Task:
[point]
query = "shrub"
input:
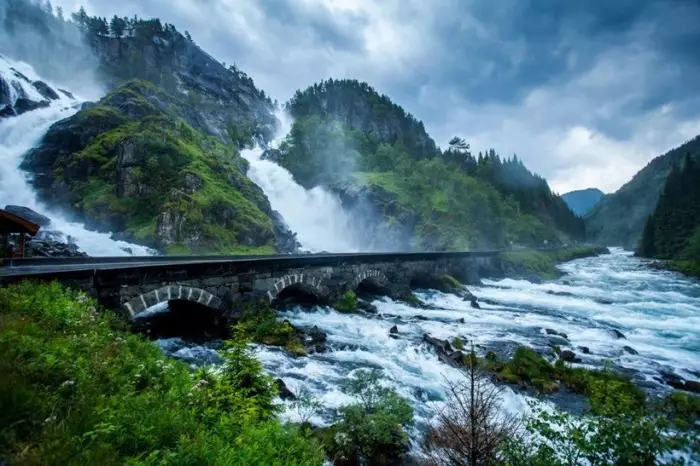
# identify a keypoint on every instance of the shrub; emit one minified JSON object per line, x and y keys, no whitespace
{"x":78,"y":389}
{"x":372,"y":429}
{"x":260,"y":324}
{"x":347,"y":303}
{"x":458,"y":343}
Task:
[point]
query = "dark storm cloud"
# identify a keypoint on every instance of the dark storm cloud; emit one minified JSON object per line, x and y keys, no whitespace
{"x":586,"y":92}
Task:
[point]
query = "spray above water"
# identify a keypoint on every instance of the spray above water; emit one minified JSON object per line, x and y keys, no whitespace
{"x":315,"y":215}
{"x":17,"y":136}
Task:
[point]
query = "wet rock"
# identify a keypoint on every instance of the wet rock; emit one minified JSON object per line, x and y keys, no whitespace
{"x":48,"y":248}
{"x":24,"y":105}
{"x":673,"y":380}
{"x":285,"y":239}
{"x":66,"y":93}
{"x":367,"y":306}
{"x":584,"y":349}
{"x":420,"y":317}
{"x":45,"y":91}
{"x":603,"y":301}
{"x":559,"y":293}
{"x":394,"y":330}
{"x":314,"y":339}
{"x":617,"y":334}
{"x":568,"y":356}
{"x":444,"y":351}
{"x":461,"y":321}
{"x":630,"y":350}
{"x":284,"y":392}
{"x":475,"y":304}
{"x":557,"y":341}
{"x":550,"y":331}
{"x":566,"y":282}
{"x":692,"y":386}
{"x":28,"y":214}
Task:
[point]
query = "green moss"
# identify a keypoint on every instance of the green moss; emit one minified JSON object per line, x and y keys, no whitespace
{"x":260,"y":324}
{"x":78,"y":388}
{"x":347,"y":302}
{"x":411,"y":299}
{"x":450,"y":283}
{"x":167,"y":167}
{"x":688,"y":267}
{"x":527,"y":368}
{"x":458,"y":343}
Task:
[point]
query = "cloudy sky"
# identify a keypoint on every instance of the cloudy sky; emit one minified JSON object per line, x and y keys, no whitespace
{"x":585,"y":92}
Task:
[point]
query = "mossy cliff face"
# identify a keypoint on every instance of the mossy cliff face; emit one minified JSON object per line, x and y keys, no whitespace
{"x":133,"y":164}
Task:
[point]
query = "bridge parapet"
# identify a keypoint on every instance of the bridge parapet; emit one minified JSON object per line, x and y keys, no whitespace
{"x":221,"y":283}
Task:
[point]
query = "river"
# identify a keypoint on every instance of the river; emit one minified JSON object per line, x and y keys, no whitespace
{"x":658,"y":312}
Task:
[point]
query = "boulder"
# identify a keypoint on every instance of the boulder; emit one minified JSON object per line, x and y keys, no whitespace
{"x":630,"y":350}
{"x":584,"y":349}
{"x":45,"y":91}
{"x":366,"y":306}
{"x":284,"y":392}
{"x":475,"y":304}
{"x":28,"y":214}
{"x":557,"y":341}
{"x":617,"y":334}
{"x":549,"y":331}
{"x":692,"y":386}
{"x":66,"y":93}
{"x":49,"y":248}
{"x":568,"y":356}
{"x":394,"y":330}
{"x":313,"y":339}
{"x":24,"y":105}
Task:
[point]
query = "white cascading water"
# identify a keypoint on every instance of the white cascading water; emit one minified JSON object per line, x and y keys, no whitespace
{"x":315,"y":215}
{"x":17,"y":136}
{"x":657,"y":312}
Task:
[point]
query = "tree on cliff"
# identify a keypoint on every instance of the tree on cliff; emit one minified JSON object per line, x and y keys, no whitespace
{"x":117,"y":26}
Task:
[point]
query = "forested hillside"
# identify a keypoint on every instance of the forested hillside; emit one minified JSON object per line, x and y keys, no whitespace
{"x":384,"y":165}
{"x":582,"y":201}
{"x":672,"y":232}
{"x":619,"y":219}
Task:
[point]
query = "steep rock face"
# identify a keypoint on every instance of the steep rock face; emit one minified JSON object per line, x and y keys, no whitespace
{"x":619,"y":219}
{"x":133,"y":164}
{"x":18,"y":94}
{"x":221,"y":101}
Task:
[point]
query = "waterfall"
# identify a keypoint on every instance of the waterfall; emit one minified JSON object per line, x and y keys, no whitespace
{"x":315,"y":215}
{"x":18,"y":135}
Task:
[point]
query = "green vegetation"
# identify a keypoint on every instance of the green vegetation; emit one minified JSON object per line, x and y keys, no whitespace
{"x":672,"y":232}
{"x":79,"y":389}
{"x":457,"y":343}
{"x":529,"y":369}
{"x":260,"y":324}
{"x":372,"y":429}
{"x":449,"y":282}
{"x":356,"y":141}
{"x":619,"y":219}
{"x":347,"y":302}
{"x":149,"y":174}
{"x":542,"y":264}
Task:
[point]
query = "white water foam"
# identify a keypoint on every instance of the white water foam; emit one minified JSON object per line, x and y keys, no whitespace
{"x":315,"y":215}
{"x":17,"y":136}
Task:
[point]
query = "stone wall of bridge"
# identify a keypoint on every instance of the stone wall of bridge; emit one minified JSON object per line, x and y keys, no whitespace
{"x":225,"y":285}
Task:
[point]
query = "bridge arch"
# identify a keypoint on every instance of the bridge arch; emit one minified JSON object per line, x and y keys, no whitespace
{"x":139,"y":304}
{"x":375,"y":279}
{"x":308,"y":284}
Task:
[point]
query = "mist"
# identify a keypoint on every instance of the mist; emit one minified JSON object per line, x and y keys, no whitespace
{"x":54,"y":46}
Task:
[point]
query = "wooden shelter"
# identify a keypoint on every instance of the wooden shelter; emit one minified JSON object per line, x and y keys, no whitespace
{"x":12,"y":224}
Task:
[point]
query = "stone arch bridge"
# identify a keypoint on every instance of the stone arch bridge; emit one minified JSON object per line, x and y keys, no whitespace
{"x":134,"y":284}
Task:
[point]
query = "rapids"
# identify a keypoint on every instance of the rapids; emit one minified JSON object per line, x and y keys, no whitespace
{"x":658,"y":313}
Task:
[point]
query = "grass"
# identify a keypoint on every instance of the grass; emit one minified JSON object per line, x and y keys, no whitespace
{"x":78,"y":388}
{"x":543,"y":264}
{"x":529,"y":369}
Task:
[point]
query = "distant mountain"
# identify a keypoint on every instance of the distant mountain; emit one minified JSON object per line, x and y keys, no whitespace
{"x":619,"y":218}
{"x":582,"y":201}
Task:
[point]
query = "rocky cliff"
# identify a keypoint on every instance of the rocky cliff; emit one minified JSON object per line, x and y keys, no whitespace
{"x":139,"y":162}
